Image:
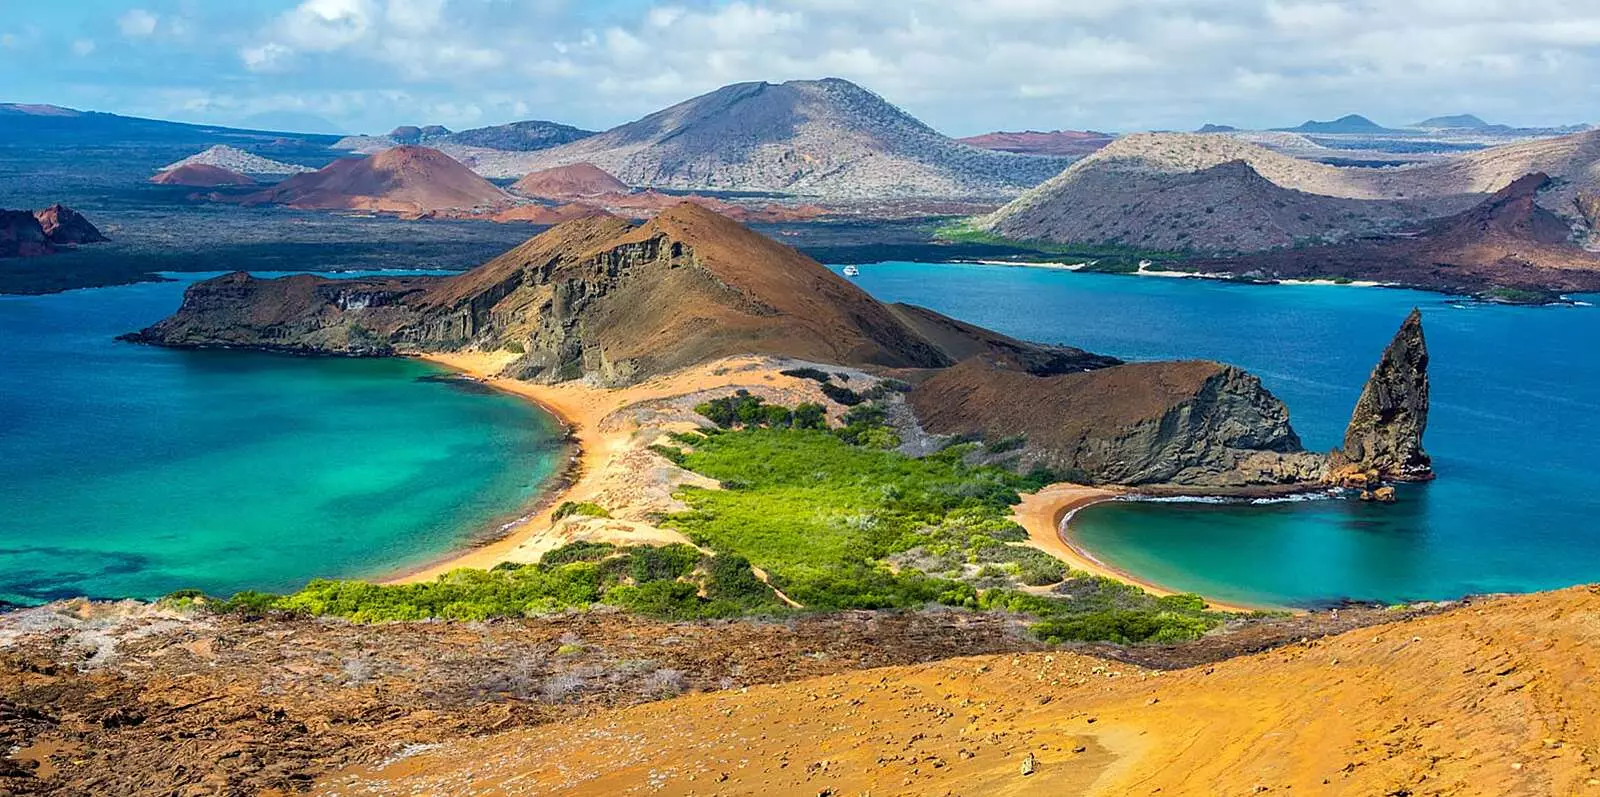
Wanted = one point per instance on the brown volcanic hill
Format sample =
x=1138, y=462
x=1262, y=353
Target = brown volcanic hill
x=574, y=181
x=201, y=175
x=65, y=226
x=1495, y=697
x=403, y=179
x=1508, y=240
x=598, y=297
x=1065, y=143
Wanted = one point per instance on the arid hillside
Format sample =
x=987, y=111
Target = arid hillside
x=1493, y=698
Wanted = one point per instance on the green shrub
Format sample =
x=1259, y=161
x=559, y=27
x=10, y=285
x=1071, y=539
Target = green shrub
x=583, y=508
x=581, y=551
x=841, y=395
x=813, y=374
x=649, y=563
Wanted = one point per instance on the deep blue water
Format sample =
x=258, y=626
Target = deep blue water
x=132, y=471
x=1513, y=432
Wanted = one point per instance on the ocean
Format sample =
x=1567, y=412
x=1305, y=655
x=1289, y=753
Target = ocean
x=133, y=471
x=1515, y=420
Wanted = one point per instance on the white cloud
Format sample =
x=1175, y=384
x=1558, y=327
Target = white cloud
x=137, y=23
x=83, y=47
x=963, y=67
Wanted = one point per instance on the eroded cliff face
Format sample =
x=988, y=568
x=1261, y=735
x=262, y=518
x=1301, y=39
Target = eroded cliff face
x=1384, y=439
x=1192, y=423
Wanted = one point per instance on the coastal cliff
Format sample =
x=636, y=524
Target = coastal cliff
x=1384, y=439
x=1194, y=423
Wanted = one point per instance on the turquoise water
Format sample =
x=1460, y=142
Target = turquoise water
x=1513, y=432
x=132, y=471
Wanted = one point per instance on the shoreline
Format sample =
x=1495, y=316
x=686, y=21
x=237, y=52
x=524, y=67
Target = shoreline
x=486, y=551
x=1045, y=515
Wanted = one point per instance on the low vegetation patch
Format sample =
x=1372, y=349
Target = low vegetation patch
x=583, y=508
x=1105, y=258
x=834, y=517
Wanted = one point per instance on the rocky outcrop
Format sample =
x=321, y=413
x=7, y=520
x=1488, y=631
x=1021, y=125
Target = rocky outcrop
x=25, y=233
x=67, y=227
x=1197, y=424
x=21, y=235
x=1384, y=439
x=1061, y=143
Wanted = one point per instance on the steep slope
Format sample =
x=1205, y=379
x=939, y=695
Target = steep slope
x=1506, y=241
x=574, y=181
x=1495, y=697
x=1384, y=437
x=201, y=175
x=828, y=138
x=1195, y=423
x=1063, y=143
x=234, y=159
x=404, y=179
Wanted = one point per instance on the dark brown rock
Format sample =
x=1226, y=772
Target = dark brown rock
x=1385, y=431
x=21, y=235
x=65, y=226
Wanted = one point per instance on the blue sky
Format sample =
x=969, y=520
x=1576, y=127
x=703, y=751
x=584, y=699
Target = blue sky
x=368, y=65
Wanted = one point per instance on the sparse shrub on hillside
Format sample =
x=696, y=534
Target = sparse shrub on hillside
x=582, y=508
x=841, y=395
x=813, y=374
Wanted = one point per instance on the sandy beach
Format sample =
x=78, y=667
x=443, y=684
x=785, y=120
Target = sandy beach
x=1042, y=513
x=612, y=460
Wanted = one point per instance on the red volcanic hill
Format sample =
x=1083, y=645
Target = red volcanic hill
x=1071, y=143
x=404, y=179
x=575, y=181
x=201, y=175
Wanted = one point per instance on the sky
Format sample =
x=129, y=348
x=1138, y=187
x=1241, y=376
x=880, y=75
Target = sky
x=964, y=67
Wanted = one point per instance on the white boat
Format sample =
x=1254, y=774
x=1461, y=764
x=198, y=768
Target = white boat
x=852, y=271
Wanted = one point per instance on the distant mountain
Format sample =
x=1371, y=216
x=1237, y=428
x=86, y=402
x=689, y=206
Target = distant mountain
x=200, y=175
x=234, y=159
x=405, y=179
x=1508, y=240
x=1188, y=191
x=68, y=125
x=526, y=136
x=1354, y=123
x=1211, y=128
x=1065, y=143
x=529, y=136
x=827, y=138
x=1465, y=121
x=297, y=121
x=576, y=181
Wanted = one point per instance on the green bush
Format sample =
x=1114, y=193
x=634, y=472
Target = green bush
x=583, y=508
x=669, y=562
x=841, y=395
x=581, y=551
x=813, y=374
